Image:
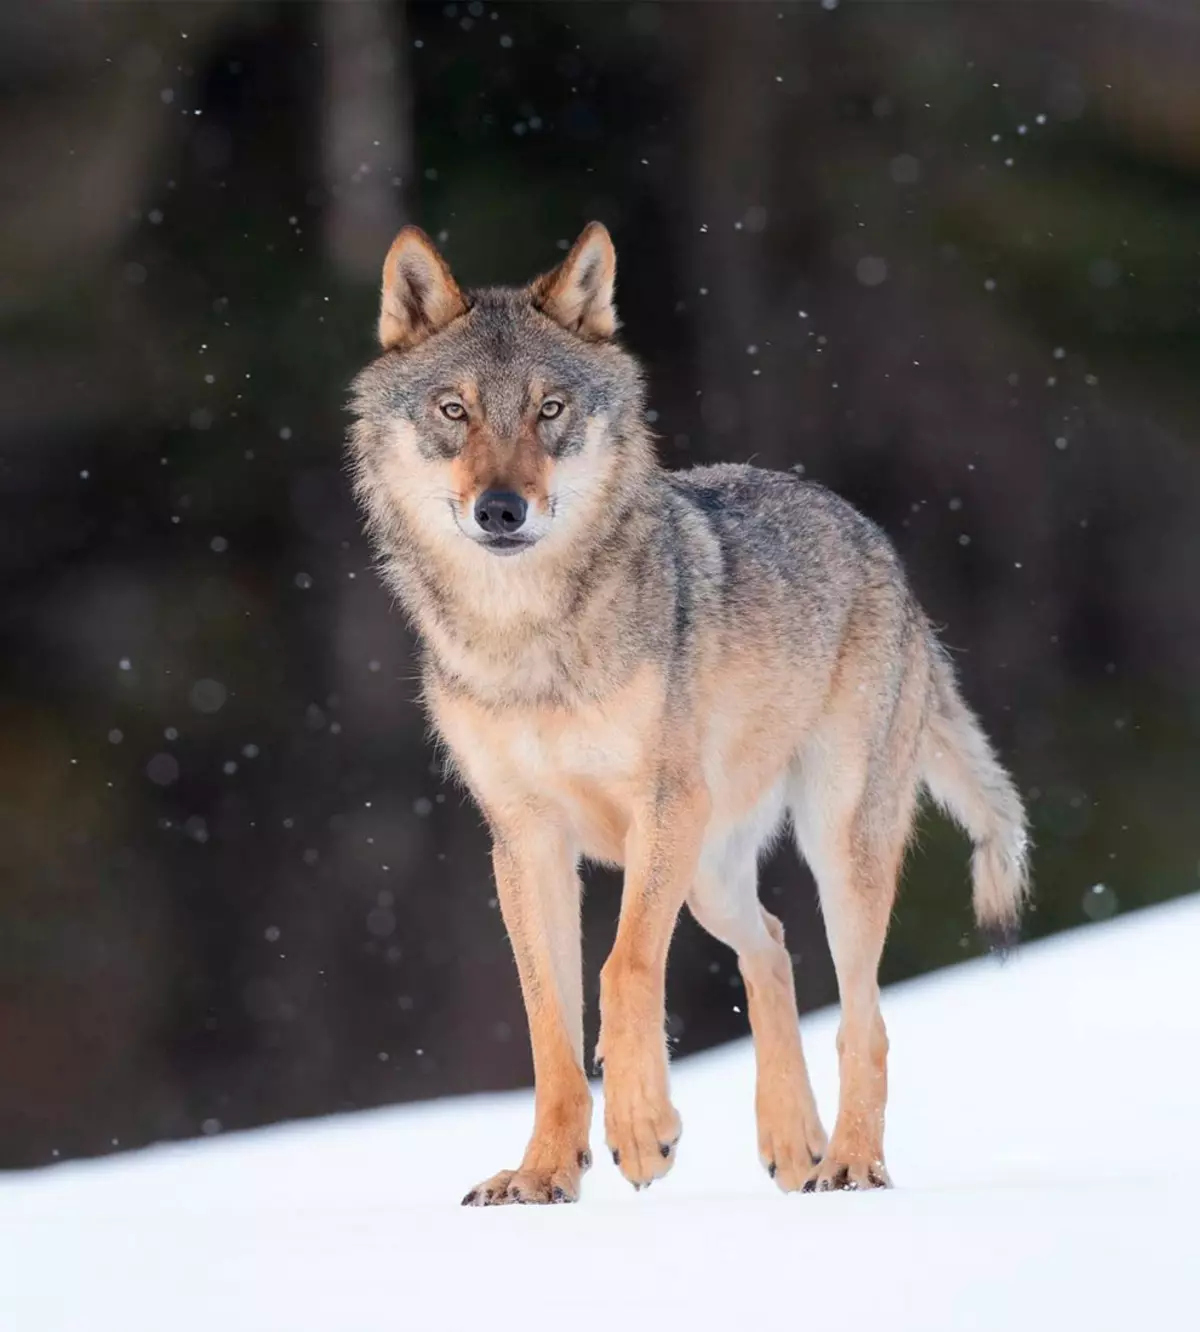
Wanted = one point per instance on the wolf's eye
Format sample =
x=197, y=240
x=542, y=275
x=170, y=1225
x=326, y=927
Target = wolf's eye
x=454, y=411
x=551, y=408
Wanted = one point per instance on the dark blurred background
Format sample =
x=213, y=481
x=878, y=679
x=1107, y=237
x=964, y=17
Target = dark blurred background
x=942, y=257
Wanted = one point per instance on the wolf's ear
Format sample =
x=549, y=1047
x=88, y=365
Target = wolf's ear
x=578, y=294
x=419, y=295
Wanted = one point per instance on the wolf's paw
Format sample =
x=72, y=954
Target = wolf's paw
x=836, y=1173
x=790, y=1145
x=641, y=1132
x=537, y=1185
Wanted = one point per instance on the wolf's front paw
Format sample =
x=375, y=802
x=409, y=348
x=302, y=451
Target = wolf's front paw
x=536, y=1184
x=790, y=1141
x=641, y=1127
x=841, y=1171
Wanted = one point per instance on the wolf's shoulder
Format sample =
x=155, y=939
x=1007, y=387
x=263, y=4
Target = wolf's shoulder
x=721, y=485
x=738, y=491
x=779, y=522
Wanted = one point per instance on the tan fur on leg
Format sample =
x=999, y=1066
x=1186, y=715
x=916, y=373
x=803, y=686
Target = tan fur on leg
x=854, y=799
x=725, y=902
x=857, y=890
x=640, y=1123
x=539, y=897
x=790, y=1137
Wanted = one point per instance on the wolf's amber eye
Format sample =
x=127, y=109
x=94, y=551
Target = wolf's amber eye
x=454, y=411
x=551, y=408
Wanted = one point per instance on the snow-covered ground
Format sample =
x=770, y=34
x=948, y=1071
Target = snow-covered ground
x=1044, y=1136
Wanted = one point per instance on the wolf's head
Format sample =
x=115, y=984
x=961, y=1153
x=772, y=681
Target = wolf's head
x=498, y=422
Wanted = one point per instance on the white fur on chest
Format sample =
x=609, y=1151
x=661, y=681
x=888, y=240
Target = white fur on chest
x=588, y=762
x=583, y=745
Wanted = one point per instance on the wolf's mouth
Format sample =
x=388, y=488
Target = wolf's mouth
x=502, y=545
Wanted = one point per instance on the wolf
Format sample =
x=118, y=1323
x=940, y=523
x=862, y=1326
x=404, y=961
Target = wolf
x=657, y=670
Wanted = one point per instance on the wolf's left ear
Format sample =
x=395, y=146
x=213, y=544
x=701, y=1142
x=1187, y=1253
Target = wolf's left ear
x=419, y=295
x=578, y=294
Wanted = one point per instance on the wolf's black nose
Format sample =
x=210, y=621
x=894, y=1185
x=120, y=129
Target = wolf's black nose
x=500, y=512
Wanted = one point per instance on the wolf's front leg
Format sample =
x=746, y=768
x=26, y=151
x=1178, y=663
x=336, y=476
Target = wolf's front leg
x=662, y=852
x=539, y=897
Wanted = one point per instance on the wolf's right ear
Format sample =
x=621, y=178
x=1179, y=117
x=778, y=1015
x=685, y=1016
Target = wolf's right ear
x=419, y=295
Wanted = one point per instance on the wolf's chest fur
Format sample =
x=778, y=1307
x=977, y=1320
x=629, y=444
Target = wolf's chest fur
x=499, y=670
x=586, y=764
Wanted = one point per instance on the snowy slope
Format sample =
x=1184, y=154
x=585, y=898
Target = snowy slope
x=1044, y=1136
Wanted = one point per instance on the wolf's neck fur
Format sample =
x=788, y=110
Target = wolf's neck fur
x=559, y=624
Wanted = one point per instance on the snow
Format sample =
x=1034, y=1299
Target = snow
x=1042, y=1135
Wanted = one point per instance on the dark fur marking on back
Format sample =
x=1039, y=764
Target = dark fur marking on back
x=712, y=505
x=727, y=547
x=706, y=498
x=676, y=550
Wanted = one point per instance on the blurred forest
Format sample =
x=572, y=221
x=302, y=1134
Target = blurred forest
x=942, y=257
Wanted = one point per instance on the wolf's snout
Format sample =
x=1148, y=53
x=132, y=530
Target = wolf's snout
x=500, y=512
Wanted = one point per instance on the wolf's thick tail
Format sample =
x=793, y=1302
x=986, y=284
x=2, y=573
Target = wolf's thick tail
x=963, y=774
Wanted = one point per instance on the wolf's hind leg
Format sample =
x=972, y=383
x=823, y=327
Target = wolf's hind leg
x=853, y=799
x=725, y=902
x=857, y=885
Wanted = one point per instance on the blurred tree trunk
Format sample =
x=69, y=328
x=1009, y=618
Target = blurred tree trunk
x=367, y=141
x=725, y=56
